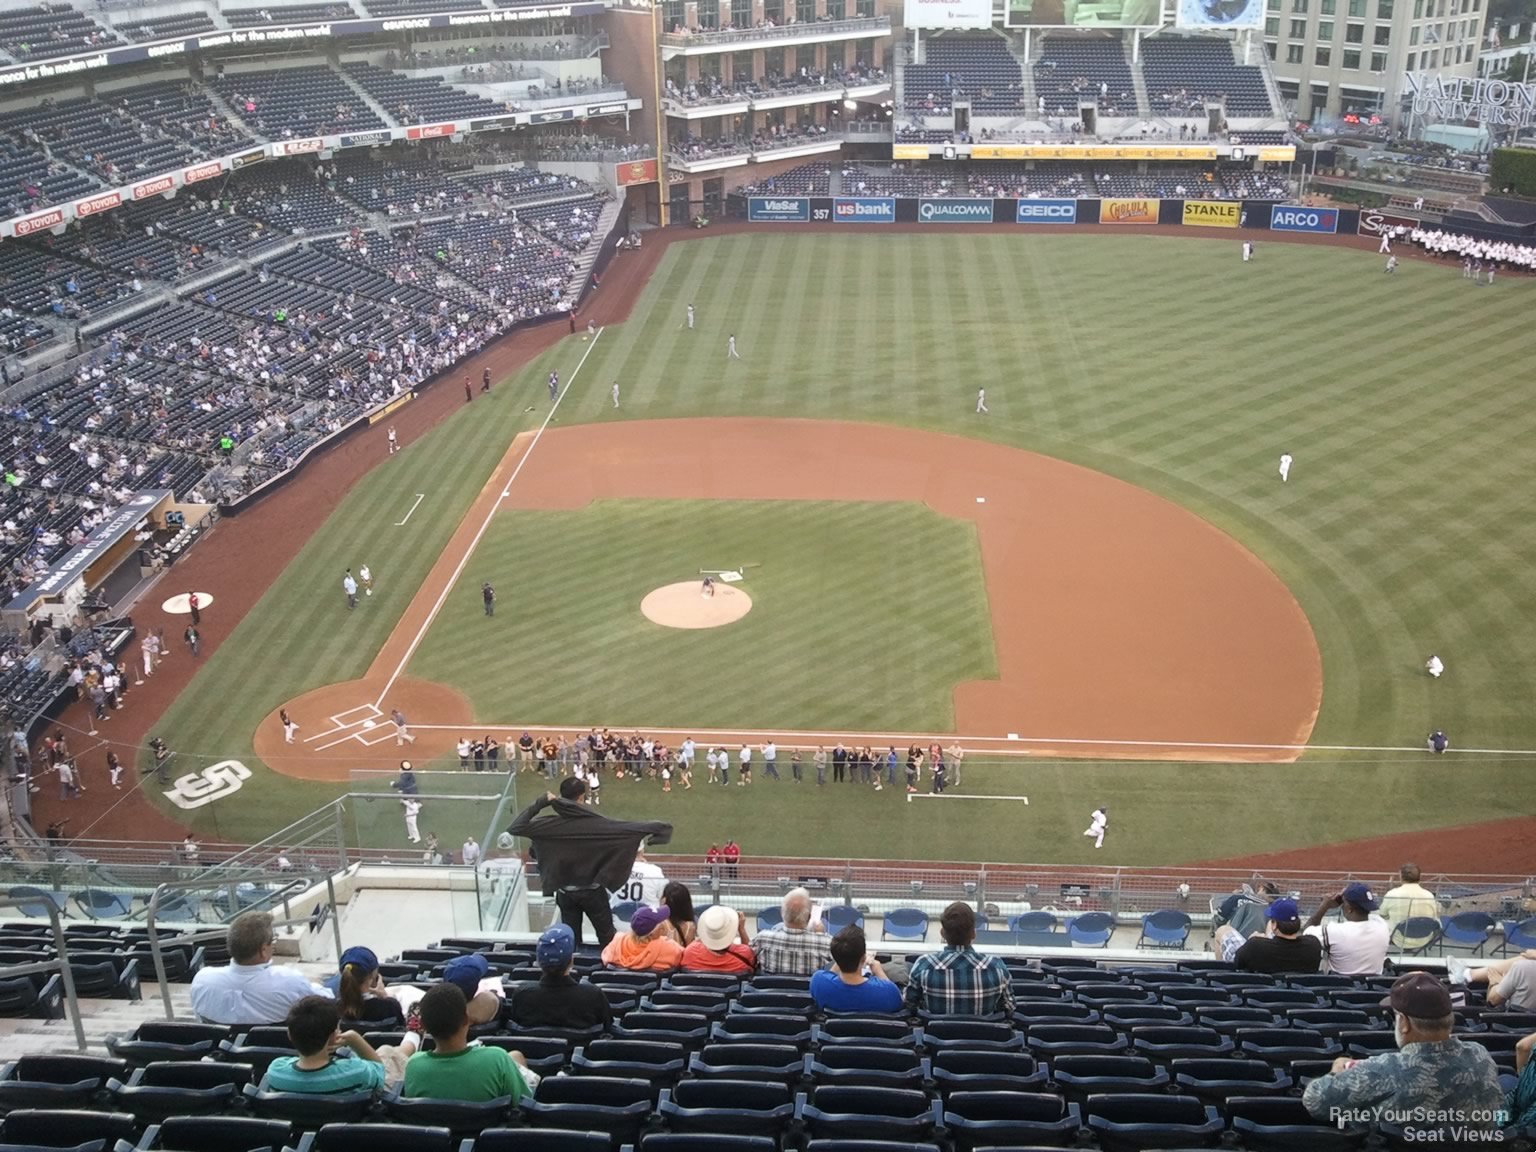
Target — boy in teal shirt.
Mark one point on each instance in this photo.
(457, 1069)
(330, 1061)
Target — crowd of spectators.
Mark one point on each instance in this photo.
(712, 89)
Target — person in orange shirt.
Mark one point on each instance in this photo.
(720, 944)
(647, 946)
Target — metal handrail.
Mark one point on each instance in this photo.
(59, 964)
(288, 887)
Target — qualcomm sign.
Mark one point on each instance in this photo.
(1047, 212)
(1290, 218)
(955, 211)
(864, 209)
(764, 209)
(1471, 98)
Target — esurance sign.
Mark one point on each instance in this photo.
(1046, 212)
(767, 209)
(1290, 218)
(948, 14)
(957, 211)
(864, 210)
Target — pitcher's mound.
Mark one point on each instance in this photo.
(685, 606)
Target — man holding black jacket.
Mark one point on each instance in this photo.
(583, 856)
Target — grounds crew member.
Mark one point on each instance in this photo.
(583, 856)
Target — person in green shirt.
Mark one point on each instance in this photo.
(456, 1069)
(329, 1060)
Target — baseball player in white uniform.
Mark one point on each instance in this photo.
(1285, 467)
(366, 577)
(615, 393)
(730, 349)
(1435, 667)
(1096, 825)
(412, 810)
(1385, 248)
(981, 402)
(690, 317)
(393, 444)
(1247, 251)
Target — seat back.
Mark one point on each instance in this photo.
(224, 1133)
(64, 1128)
(382, 1138)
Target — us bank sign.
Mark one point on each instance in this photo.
(1468, 98)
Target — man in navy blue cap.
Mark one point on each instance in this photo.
(1355, 945)
(1280, 947)
(467, 972)
(558, 1000)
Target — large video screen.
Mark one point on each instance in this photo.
(1220, 13)
(1084, 13)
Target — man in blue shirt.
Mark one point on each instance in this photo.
(330, 1061)
(848, 988)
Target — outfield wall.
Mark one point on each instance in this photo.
(1253, 215)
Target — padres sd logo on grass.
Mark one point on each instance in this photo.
(1212, 213)
(214, 782)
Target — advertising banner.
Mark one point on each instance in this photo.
(1046, 212)
(767, 209)
(909, 151)
(153, 187)
(948, 14)
(864, 210)
(1128, 211)
(1374, 223)
(1080, 14)
(298, 147)
(430, 131)
(1089, 152)
(1277, 154)
(635, 172)
(98, 204)
(955, 211)
(202, 172)
(1220, 14)
(364, 139)
(1290, 218)
(246, 159)
(1212, 213)
(39, 223)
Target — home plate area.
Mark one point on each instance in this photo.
(364, 724)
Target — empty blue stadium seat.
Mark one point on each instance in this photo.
(1079, 1077)
(868, 1113)
(1132, 1122)
(742, 1107)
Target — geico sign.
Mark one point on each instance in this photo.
(1047, 211)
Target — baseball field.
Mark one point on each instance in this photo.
(1100, 585)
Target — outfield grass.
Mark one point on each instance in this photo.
(1167, 362)
(825, 583)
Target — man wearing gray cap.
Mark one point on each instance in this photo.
(1433, 1081)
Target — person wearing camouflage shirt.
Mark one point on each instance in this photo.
(1433, 1080)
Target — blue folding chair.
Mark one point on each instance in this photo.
(1466, 930)
(769, 918)
(839, 916)
(904, 924)
(1165, 928)
(1518, 936)
(1091, 929)
(1416, 935)
(1034, 922)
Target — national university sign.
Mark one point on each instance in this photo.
(1497, 102)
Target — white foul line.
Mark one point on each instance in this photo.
(911, 796)
(1010, 745)
(419, 497)
(473, 544)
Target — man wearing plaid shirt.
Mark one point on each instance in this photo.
(793, 948)
(958, 981)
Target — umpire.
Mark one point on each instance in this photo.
(583, 856)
